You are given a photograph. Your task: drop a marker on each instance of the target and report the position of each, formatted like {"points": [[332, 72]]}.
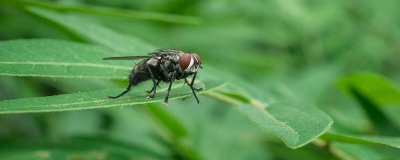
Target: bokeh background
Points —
{"points": [[300, 47]]}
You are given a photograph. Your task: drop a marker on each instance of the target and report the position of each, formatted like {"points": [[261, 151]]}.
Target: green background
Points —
{"points": [[285, 80]]}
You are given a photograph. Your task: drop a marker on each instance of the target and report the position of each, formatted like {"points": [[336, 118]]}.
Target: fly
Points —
{"points": [[165, 65]]}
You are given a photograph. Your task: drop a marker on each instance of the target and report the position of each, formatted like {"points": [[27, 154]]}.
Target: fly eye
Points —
{"points": [[185, 61], [197, 58]]}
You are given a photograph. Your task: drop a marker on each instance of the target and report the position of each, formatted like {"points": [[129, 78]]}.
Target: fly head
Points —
{"points": [[190, 62]]}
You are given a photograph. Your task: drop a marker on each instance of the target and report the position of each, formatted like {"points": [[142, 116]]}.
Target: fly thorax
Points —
{"points": [[153, 61]]}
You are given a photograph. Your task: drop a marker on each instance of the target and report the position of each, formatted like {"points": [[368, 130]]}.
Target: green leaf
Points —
{"points": [[309, 152], [281, 120], [168, 121], [97, 99], [56, 58], [350, 151], [373, 92], [221, 126], [59, 58], [376, 88], [106, 11], [364, 139], [296, 124], [77, 148], [176, 133], [90, 30]]}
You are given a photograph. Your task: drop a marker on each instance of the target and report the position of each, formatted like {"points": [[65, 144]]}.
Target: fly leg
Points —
{"points": [[153, 90], [194, 89], [171, 80], [126, 91], [154, 83], [154, 86]]}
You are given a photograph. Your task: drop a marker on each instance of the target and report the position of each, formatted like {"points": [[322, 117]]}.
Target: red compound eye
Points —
{"points": [[197, 58], [184, 61]]}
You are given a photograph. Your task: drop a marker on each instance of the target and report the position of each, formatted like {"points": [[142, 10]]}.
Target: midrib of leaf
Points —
{"points": [[68, 64], [94, 99]]}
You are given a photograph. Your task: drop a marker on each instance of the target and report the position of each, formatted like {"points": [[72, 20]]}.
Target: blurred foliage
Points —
{"points": [[289, 68]]}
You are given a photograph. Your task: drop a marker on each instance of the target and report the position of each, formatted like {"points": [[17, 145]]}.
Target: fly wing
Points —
{"points": [[126, 58]]}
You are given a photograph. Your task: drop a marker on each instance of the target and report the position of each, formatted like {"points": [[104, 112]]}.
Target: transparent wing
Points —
{"points": [[126, 58]]}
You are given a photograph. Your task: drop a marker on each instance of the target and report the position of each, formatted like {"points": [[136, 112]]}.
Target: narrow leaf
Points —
{"points": [[96, 99], [106, 11], [378, 89], [59, 58], [90, 30], [77, 148], [295, 124], [168, 121], [177, 135], [363, 139], [370, 90]]}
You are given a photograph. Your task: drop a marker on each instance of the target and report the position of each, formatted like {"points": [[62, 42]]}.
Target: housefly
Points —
{"points": [[165, 65]]}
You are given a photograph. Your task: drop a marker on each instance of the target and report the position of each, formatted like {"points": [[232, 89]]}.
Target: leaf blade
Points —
{"points": [[114, 12], [364, 139], [380, 90], [295, 124], [94, 99], [58, 58], [373, 93], [92, 31], [301, 123]]}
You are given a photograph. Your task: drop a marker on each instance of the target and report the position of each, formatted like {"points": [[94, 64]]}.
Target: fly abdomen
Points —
{"points": [[139, 74], [135, 79]]}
